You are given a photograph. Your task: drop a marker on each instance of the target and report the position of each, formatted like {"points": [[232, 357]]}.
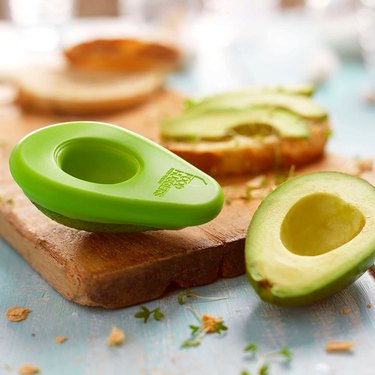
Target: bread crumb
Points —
{"points": [[209, 323], [116, 337], [17, 313], [258, 182], [28, 370], [369, 305], [364, 165], [369, 96], [60, 339], [345, 311], [339, 346]]}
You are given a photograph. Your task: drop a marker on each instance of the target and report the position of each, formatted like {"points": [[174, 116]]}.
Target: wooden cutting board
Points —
{"points": [[112, 270]]}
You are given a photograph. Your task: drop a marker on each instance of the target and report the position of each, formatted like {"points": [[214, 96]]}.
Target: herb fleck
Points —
{"points": [[145, 314], [187, 293], [251, 348], [262, 366]]}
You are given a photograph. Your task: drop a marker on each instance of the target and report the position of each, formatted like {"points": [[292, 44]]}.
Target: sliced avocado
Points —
{"points": [[300, 105], [303, 89], [311, 237], [219, 124]]}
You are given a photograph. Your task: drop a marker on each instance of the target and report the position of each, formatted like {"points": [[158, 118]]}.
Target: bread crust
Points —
{"points": [[125, 55], [242, 155]]}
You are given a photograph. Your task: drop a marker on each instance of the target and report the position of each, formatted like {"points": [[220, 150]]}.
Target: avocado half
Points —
{"points": [[311, 237]]}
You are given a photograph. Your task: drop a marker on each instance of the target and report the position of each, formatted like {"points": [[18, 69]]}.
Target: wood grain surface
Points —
{"points": [[112, 270]]}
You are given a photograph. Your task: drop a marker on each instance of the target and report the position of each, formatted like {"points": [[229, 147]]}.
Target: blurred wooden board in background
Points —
{"points": [[113, 270]]}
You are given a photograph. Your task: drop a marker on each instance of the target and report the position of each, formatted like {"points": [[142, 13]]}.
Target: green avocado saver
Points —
{"points": [[103, 178]]}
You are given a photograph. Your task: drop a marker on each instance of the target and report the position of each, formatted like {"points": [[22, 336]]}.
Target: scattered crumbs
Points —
{"points": [[60, 339], [369, 96], [33, 334], [256, 193], [258, 182], [17, 313], [258, 187], [28, 370], [339, 346], [369, 305], [363, 165], [345, 311], [116, 337]]}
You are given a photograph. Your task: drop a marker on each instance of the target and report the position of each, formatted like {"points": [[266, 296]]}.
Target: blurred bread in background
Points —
{"points": [[61, 90], [123, 55], [98, 76]]}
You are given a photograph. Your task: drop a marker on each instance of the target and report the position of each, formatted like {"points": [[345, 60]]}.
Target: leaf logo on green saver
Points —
{"points": [[175, 178]]}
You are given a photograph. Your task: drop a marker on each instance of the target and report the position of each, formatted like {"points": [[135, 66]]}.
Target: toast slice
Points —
{"points": [[264, 132], [60, 90], [123, 55]]}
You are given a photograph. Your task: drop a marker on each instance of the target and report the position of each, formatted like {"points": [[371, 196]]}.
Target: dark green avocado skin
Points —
{"points": [[345, 280], [91, 226]]}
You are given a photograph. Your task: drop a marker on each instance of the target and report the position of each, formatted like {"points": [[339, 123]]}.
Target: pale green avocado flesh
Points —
{"points": [[302, 90], [222, 123], [300, 105], [311, 237]]}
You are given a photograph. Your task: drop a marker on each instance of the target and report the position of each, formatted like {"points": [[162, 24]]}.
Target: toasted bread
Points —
{"points": [[236, 135], [57, 89], [244, 155], [124, 55]]}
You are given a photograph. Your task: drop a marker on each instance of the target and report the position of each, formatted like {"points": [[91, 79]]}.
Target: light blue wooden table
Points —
{"points": [[154, 348]]}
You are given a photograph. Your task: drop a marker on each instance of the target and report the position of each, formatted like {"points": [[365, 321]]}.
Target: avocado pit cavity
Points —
{"points": [[319, 223]]}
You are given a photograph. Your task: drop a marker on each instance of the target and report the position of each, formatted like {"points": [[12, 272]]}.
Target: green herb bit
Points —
{"points": [[145, 314], [228, 201], [262, 365], [190, 343], [251, 348], [187, 293], [263, 370], [245, 372], [286, 353], [8, 368], [194, 329]]}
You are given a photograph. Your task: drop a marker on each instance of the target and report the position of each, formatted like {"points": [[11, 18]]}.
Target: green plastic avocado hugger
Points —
{"points": [[102, 178]]}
